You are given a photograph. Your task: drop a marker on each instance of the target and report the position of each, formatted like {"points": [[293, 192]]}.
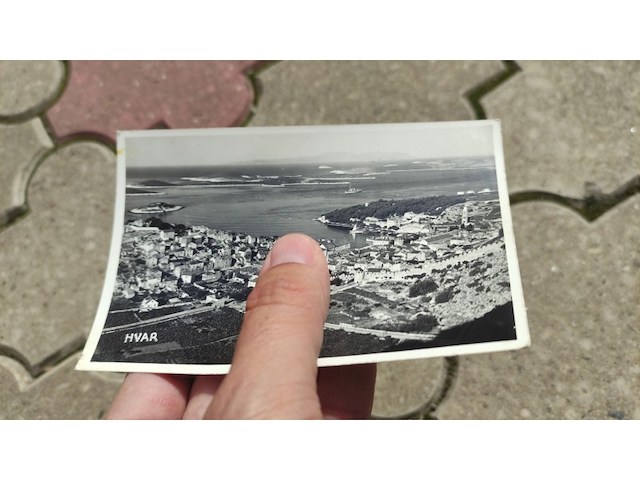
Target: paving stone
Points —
{"points": [[20, 146], [404, 386], [341, 92], [61, 393], [569, 123], [105, 96], [27, 88], [581, 285], [53, 261]]}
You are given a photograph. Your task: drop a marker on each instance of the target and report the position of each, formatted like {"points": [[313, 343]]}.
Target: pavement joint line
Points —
{"points": [[427, 411], [593, 204], [250, 72], [443, 390], [449, 376], [44, 105], [253, 75], [87, 136], [11, 216], [475, 94], [18, 212], [591, 207], [14, 214], [51, 361]]}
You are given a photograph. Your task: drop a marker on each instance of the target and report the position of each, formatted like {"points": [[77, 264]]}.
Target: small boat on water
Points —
{"points": [[352, 190], [156, 207], [355, 230]]}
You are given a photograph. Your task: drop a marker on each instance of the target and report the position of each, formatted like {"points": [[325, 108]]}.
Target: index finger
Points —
{"points": [[274, 368]]}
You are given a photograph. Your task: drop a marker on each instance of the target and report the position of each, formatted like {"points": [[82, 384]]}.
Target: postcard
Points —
{"points": [[414, 220]]}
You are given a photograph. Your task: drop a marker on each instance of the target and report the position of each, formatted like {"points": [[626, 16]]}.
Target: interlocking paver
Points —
{"points": [[61, 393], [105, 96], [581, 283], [319, 92], [53, 261], [27, 88], [20, 146], [338, 92], [566, 124], [404, 386]]}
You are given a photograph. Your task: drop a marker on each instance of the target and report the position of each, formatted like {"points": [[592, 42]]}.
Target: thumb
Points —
{"points": [[274, 368]]}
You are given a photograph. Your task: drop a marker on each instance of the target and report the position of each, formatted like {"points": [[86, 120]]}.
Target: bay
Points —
{"points": [[274, 210]]}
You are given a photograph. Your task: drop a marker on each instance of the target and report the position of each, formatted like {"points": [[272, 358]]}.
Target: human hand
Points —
{"points": [[274, 370]]}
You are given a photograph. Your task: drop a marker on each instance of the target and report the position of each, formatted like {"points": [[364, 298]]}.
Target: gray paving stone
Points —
{"points": [[53, 261], [339, 92], [61, 393], [20, 146], [28, 87], [564, 124], [569, 123], [404, 386], [582, 285]]}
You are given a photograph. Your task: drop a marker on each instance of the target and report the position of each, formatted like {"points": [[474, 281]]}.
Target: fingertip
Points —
{"points": [[151, 396], [295, 248]]}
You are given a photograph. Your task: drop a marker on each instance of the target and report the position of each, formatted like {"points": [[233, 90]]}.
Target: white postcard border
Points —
{"points": [[519, 310]]}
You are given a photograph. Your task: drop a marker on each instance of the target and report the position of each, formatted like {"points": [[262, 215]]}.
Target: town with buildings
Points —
{"points": [[422, 273], [164, 265], [419, 271]]}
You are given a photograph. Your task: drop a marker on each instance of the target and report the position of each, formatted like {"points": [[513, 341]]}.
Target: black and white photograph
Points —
{"points": [[414, 221]]}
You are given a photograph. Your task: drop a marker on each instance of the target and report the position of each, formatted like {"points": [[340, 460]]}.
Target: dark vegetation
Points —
{"points": [[367, 294], [423, 287], [155, 183], [158, 223], [444, 296], [496, 325], [422, 323], [131, 190], [425, 323], [385, 208], [203, 338]]}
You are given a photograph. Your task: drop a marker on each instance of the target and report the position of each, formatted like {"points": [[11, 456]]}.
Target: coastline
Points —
{"points": [[171, 274]]}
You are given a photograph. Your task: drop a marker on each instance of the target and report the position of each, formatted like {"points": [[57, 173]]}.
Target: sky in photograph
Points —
{"points": [[307, 144]]}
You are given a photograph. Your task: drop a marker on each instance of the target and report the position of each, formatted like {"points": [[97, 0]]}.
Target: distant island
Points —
{"points": [[233, 180], [155, 183], [132, 191], [156, 207]]}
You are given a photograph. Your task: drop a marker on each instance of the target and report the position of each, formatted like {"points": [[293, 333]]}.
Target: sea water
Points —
{"points": [[249, 206]]}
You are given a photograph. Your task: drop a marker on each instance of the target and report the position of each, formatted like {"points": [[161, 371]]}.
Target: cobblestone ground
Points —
{"points": [[572, 148]]}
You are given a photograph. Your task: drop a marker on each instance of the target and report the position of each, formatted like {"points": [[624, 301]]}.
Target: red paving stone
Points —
{"points": [[105, 96]]}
